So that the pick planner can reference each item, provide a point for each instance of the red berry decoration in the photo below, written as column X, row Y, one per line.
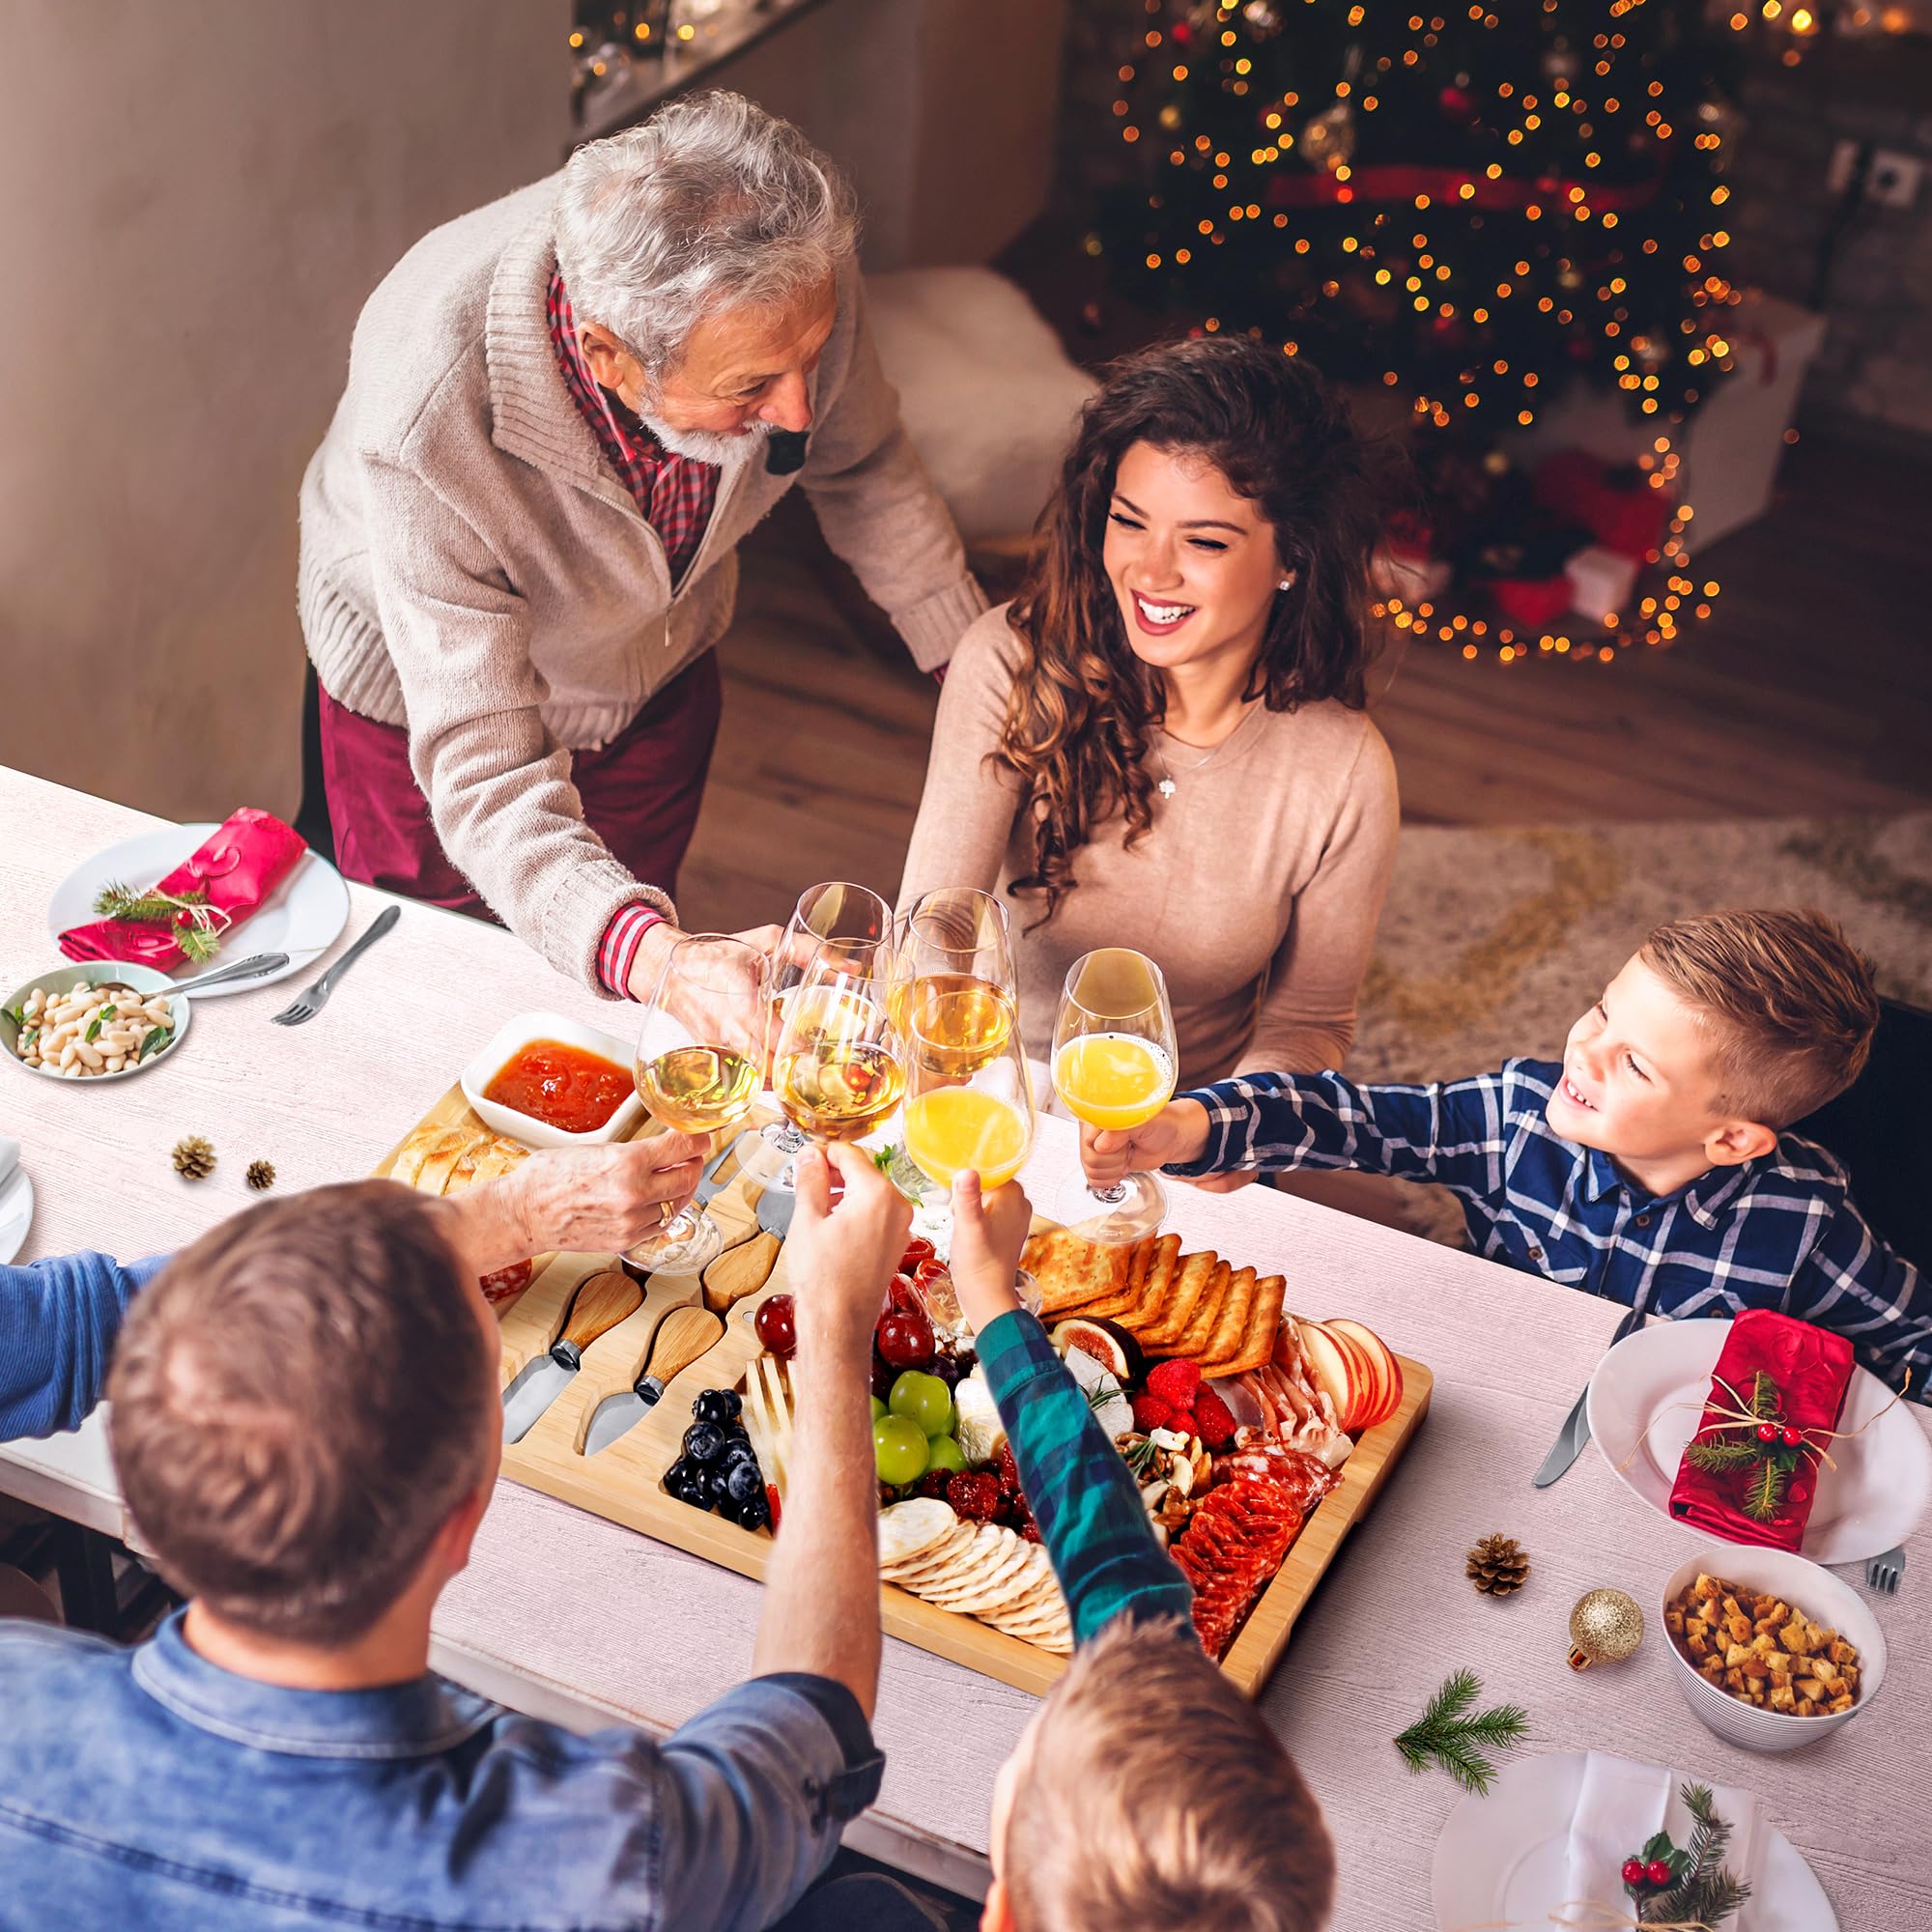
column 904, row 1337
column 1767, row 1431
column 775, row 1324
column 1658, row 1872
column 1791, row 1437
column 1634, row 1870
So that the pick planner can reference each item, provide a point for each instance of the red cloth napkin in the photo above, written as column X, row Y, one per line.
column 241, row 865
column 1812, row 1368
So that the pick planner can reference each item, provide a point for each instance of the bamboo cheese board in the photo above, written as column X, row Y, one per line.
column 623, row 1481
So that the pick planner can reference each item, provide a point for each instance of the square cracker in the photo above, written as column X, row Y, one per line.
column 1257, row 1344
column 1230, row 1327
column 1188, row 1280
column 1156, row 1281
column 1117, row 1305
column 1199, row 1332
column 1070, row 1271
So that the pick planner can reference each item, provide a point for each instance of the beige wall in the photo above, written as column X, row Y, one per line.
column 195, row 199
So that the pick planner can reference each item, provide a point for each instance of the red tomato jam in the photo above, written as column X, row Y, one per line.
column 562, row 1086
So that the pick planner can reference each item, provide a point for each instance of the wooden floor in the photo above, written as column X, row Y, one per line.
column 1809, row 692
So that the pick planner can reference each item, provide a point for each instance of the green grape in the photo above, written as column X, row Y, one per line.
column 878, row 1409
column 924, row 1399
column 944, row 1453
column 898, row 1448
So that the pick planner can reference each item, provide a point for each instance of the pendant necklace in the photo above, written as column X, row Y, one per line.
column 1167, row 787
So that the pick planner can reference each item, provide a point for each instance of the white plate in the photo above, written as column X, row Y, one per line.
column 1870, row 1502
column 16, row 1212
column 304, row 916
column 1503, row 1860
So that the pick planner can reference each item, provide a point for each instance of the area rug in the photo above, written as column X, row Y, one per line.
column 1495, row 939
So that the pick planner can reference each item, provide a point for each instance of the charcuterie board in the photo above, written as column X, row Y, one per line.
column 624, row 1480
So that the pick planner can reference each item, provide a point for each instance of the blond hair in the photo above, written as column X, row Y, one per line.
column 300, row 1400
column 1788, row 999
column 1155, row 1800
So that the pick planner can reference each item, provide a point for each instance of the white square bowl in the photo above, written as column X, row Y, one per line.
column 506, row 1041
column 1825, row 1599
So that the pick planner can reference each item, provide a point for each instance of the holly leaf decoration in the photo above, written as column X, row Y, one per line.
column 1657, row 1846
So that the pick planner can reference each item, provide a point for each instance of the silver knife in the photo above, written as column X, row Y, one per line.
column 1575, row 1433
column 600, row 1301
column 712, row 1181
column 775, row 1210
column 683, row 1335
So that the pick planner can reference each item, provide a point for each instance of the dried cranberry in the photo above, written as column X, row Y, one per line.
column 1006, row 1469
column 973, row 1494
column 1030, row 1533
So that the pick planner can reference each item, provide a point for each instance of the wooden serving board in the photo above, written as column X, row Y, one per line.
column 624, row 1484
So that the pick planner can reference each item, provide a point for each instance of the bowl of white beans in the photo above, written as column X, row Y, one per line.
column 100, row 1021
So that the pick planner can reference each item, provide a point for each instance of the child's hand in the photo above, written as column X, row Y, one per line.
column 1178, row 1133
column 988, row 1233
column 842, row 1258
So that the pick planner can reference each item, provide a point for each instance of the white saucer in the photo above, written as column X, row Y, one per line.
column 304, row 916
column 1503, row 1860
column 1871, row 1501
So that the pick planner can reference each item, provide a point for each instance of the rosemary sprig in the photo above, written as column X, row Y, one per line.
column 1448, row 1736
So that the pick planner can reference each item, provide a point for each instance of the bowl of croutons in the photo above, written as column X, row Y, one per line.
column 1771, row 1652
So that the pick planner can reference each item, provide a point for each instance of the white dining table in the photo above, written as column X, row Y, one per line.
column 566, row 1616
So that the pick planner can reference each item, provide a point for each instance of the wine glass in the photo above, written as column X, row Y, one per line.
column 1114, row 1060
column 837, row 1069
column 953, row 977
column 699, row 1081
column 836, row 913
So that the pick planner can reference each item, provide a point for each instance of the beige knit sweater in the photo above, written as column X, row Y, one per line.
column 473, row 568
column 1256, row 890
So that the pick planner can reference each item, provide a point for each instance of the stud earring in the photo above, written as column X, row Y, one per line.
column 1286, row 584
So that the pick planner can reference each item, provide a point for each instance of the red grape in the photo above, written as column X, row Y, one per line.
column 776, row 1325
column 904, row 1338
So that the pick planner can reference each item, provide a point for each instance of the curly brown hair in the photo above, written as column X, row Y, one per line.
column 1081, row 703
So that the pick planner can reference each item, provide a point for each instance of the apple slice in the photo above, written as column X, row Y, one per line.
column 1329, row 1366
column 1389, row 1377
column 1365, row 1374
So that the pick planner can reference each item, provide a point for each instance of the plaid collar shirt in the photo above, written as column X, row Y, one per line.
column 673, row 494
column 1780, row 1232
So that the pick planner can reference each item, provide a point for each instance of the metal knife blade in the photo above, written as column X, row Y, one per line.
column 1574, row 1435
column 598, row 1303
column 537, row 1386
column 775, row 1211
column 712, row 1180
column 685, row 1335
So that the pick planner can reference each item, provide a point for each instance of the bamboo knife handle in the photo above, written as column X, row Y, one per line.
column 740, row 1271
column 686, row 1334
column 601, row 1302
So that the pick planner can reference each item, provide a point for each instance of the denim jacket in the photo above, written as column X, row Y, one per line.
column 149, row 1788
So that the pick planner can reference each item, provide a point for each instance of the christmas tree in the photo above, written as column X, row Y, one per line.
column 1464, row 210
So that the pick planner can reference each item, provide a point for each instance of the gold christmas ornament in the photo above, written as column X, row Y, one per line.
column 1498, row 1566
column 1605, row 1627
column 194, row 1159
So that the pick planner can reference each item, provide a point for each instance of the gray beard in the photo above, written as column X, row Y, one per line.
column 704, row 445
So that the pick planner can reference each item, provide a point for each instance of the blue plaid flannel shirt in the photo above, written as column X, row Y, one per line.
column 1780, row 1232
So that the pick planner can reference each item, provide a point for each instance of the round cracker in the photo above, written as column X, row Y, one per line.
column 912, row 1529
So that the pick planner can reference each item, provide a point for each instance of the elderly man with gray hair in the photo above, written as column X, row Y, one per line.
column 519, row 535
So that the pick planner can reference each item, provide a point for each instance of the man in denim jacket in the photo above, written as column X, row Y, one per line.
column 307, row 1429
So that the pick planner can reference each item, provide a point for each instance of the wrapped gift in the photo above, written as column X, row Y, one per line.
column 1531, row 602
column 1602, row 583
column 230, row 875
column 1750, row 1474
column 1614, row 502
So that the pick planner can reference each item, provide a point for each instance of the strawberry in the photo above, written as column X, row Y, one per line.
column 1175, row 1383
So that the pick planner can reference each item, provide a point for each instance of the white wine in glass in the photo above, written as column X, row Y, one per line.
column 837, row 1071
column 699, row 1086
column 1113, row 1062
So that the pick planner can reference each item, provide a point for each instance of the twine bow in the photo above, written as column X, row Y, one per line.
column 1741, row 1417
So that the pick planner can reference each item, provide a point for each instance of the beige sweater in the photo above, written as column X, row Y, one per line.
column 473, row 568
column 1256, row 890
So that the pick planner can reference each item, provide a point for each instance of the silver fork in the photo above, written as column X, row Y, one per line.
column 1883, row 1571
column 311, row 1000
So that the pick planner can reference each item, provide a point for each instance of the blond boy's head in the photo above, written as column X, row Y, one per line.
column 1148, row 1796
column 1718, row 1032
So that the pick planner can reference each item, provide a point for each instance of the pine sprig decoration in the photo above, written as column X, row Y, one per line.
column 1701, row 1892
column 1718, row 1457
column 1447, row 1734
column 198, row 936
column 1767, row 1464
column 1766, row 1403
column 1765, row 1488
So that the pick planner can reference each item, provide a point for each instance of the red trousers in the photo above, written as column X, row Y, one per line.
column 640, row 794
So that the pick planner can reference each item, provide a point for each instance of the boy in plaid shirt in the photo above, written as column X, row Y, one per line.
column 1650, row 1165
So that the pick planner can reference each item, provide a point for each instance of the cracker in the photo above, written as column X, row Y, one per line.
column 909, row 1529
column 936, row 1562
column 1199, row 1332
column 1155, row 1279
column 1108, row 1307
column 1231, row 1327
column 1070, row 1272
column 1187, row 1281
column 1256, row 1346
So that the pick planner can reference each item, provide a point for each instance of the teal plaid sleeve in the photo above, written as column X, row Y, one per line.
column 1083, row 1495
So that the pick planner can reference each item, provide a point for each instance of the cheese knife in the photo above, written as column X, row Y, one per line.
column 602, row 1300
column 684, row 1335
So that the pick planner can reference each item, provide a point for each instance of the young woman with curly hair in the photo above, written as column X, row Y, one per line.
column 1162, row 741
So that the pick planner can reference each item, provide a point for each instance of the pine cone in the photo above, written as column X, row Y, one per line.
column 261, row 1174
column 1498, row 1566
column 194, row 1159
